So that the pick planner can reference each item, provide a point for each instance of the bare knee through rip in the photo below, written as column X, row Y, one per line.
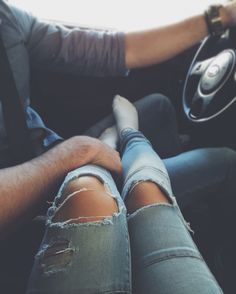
column 85, row 199
column 143, row 194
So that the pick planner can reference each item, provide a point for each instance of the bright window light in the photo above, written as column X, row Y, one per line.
column 119, row 14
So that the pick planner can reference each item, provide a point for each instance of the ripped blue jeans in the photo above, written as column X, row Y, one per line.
column 149, row 251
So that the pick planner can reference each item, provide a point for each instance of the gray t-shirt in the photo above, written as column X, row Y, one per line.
column 33, row 43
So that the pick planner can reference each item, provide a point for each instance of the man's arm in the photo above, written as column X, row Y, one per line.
column 157, row 45
column 25, row 187
column 76, row 50
column 99, row 53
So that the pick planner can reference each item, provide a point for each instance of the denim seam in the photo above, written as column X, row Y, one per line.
column 128, row 254
column 170, row 257
column 109, row 292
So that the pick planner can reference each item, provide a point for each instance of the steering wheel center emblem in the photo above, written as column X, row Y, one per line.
column 213, row 70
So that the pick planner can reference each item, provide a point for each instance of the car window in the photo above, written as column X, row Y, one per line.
column 122, row 14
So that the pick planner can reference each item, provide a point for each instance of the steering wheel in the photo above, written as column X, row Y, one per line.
column 210, row 85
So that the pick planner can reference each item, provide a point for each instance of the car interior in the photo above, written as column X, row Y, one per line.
column 201, row 83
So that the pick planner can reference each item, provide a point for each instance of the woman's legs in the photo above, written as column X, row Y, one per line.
column 164, row 257
column 86, row 245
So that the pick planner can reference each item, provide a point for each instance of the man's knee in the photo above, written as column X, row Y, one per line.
column 154, row 102
column 85, row 199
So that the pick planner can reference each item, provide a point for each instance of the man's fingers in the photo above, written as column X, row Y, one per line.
column 109, row 159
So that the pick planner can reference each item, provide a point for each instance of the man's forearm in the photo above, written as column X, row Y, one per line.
column 157, row 45
column 25, row 187
column 160, row 44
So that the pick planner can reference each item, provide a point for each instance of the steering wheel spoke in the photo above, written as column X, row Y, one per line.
column 200, row 66
column 199, row 105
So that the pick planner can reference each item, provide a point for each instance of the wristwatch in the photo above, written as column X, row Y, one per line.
column 214, row 21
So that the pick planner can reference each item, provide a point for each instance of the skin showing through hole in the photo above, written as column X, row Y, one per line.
column 57, row 256
column 85, row 206
column 143, row 194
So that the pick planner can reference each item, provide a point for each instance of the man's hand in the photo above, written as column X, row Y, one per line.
column 108, row 158
column 81, row 150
